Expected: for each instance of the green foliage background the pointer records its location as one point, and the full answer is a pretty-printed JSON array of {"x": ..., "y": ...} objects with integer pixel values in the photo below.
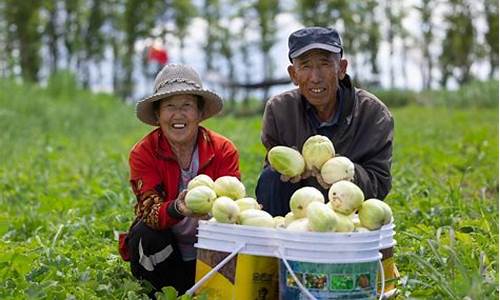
[{"x": 64, "y": 193}]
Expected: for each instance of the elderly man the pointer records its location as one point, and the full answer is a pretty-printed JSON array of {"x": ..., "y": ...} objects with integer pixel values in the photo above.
[{"x": 326, "y": 103}]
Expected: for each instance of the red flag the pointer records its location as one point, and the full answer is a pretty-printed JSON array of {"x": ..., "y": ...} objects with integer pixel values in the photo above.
[{"x": 158, "y": 54}]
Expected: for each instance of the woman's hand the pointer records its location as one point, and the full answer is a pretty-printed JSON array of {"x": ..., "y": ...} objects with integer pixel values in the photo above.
[{"x": 181, "y": 207}]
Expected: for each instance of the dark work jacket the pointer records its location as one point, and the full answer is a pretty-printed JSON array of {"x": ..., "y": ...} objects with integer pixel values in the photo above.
[{"x": 363, "y": 133}]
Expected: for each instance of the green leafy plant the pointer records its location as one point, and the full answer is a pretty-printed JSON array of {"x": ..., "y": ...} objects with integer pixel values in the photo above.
[{"x": 64, "y": 195}]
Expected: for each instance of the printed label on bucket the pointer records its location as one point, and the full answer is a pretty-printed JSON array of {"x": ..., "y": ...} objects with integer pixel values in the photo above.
[{"x": 330, "y": 281}]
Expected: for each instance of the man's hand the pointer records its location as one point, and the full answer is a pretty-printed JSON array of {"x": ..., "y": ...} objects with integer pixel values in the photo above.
[
  {"x": 317, "y": 174},
  {"x": 181, "y": 207},
  {"x": 297, "y": 178},
  {"x": 285, "y": 178},
  {"x": 306, "y": 174}
]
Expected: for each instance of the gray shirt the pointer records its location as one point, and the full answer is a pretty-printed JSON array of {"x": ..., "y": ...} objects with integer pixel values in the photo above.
[{"x": 185, "y": 230}]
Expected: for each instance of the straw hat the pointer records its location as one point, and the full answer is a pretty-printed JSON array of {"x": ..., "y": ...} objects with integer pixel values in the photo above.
[{"x": 176, "y": 79}]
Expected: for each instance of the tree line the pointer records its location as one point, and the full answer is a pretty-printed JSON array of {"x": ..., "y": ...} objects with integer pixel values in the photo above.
[{"x": 448, "y": 37}]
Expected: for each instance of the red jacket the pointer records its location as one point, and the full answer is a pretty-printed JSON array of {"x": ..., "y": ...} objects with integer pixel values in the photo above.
[{"x": 155, "y": 173}]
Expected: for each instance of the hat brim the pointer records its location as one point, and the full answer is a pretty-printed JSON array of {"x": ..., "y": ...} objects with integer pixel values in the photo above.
[
  {"x": 321, "y": 46},
  {"x": 145, "y": 112}
]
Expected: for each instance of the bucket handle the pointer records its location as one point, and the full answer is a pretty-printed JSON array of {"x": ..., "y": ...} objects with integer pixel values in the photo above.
[
  {"x": 207, "y": 276},
  {"x": 303, "y": 289},
  {"x": 382, "y": 279}
]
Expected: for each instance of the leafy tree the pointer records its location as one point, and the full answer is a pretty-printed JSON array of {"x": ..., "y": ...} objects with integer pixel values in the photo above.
[
  {"x": 314, "y": 12},
  {"x": 457, "y": 53},
  {"x": 245, "y": 43},
  {"x": 116, "y": 35},
  {"x": 390, "y": 16},
  {"x": 23, "y": 22},
  {"x": 137, "y": 21},
  {"x": 52, "y": 33},
  {"x": 211, "y": 14},
  {"x": 394, "y": 15},
  {"x": 361, "y": 35},
  {"x": 228, "y": 41},
  {"x": 81, "y": 32},
  {"x": 75, "y": 34},
  {"x": 72, "y": 33},
  {"x": 228, "y": 53},
  {"x": 426, "y": 23},
  {"x": 184, "y": 11},
  {"x": 6, "y": 61},
  {"x": 371, "y": 28},
  {"x": 94, "y": 38},
  {"x": 324, "y": 13},
  {"x": 347, "y": 21},
  {"x": 267, "y": 11},
  {"x": 406, "y": 38}
]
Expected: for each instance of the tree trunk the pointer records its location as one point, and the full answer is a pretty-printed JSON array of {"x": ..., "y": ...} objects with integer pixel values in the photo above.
[
  {"x": 267, "y": 64},
  {"x": 404, "y": 56},
  {"x": 232, "y": 90},
  {"x": 428, "y": 69},
  {"x": 247, "y": 70},
  {"x": 52, "y": 39},
  {"x": 128, "y": 64},
  {"x": 29, "y": 43}
]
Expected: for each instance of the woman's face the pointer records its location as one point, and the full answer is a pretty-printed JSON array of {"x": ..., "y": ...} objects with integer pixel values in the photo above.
[{"x": 179, "y": 117}]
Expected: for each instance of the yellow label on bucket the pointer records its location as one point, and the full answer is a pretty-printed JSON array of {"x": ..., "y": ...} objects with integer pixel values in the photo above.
[
  {"x": 257, "y": 277},
  {"x": 245, "y": 277},
  {"x": 391, "y": 274},
  {"x": 217, "y": 287}
]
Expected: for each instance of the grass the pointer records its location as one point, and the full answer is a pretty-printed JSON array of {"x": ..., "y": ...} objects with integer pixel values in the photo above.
[
  {"x": 445, "y": 199},
  {"x": 64, "y": 194}
]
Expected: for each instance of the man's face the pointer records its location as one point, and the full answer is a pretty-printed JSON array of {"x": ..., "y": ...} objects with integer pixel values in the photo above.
[
  {"x": 316, "y": 73},
  {"x": 179, "y": 117}
]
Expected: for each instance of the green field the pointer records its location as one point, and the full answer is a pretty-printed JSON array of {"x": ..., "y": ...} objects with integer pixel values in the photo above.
[{"x": 64, "y": 195}]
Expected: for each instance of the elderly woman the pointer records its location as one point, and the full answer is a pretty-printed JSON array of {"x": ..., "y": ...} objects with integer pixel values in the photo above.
[{"x": 161, "y": 241}]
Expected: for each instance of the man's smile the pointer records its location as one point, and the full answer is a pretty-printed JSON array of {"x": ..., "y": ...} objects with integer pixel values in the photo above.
[{"x": 317, "y": 90}]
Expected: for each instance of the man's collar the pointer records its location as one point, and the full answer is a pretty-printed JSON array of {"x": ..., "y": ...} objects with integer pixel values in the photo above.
[{"x": 334, "y": 118}]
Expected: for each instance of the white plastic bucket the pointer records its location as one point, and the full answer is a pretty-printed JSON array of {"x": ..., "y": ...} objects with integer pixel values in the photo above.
[
  {"x": 331, "y": 257},
  {"x": 387, "y": 234},
  {"x": 227, "y": 237},
  {"x": 320, "y": 247},
  {"x": 329, "y": 265}
]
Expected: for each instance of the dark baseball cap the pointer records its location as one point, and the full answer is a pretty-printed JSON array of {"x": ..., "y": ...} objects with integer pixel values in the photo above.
[{"x": 309, "y": 38}]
